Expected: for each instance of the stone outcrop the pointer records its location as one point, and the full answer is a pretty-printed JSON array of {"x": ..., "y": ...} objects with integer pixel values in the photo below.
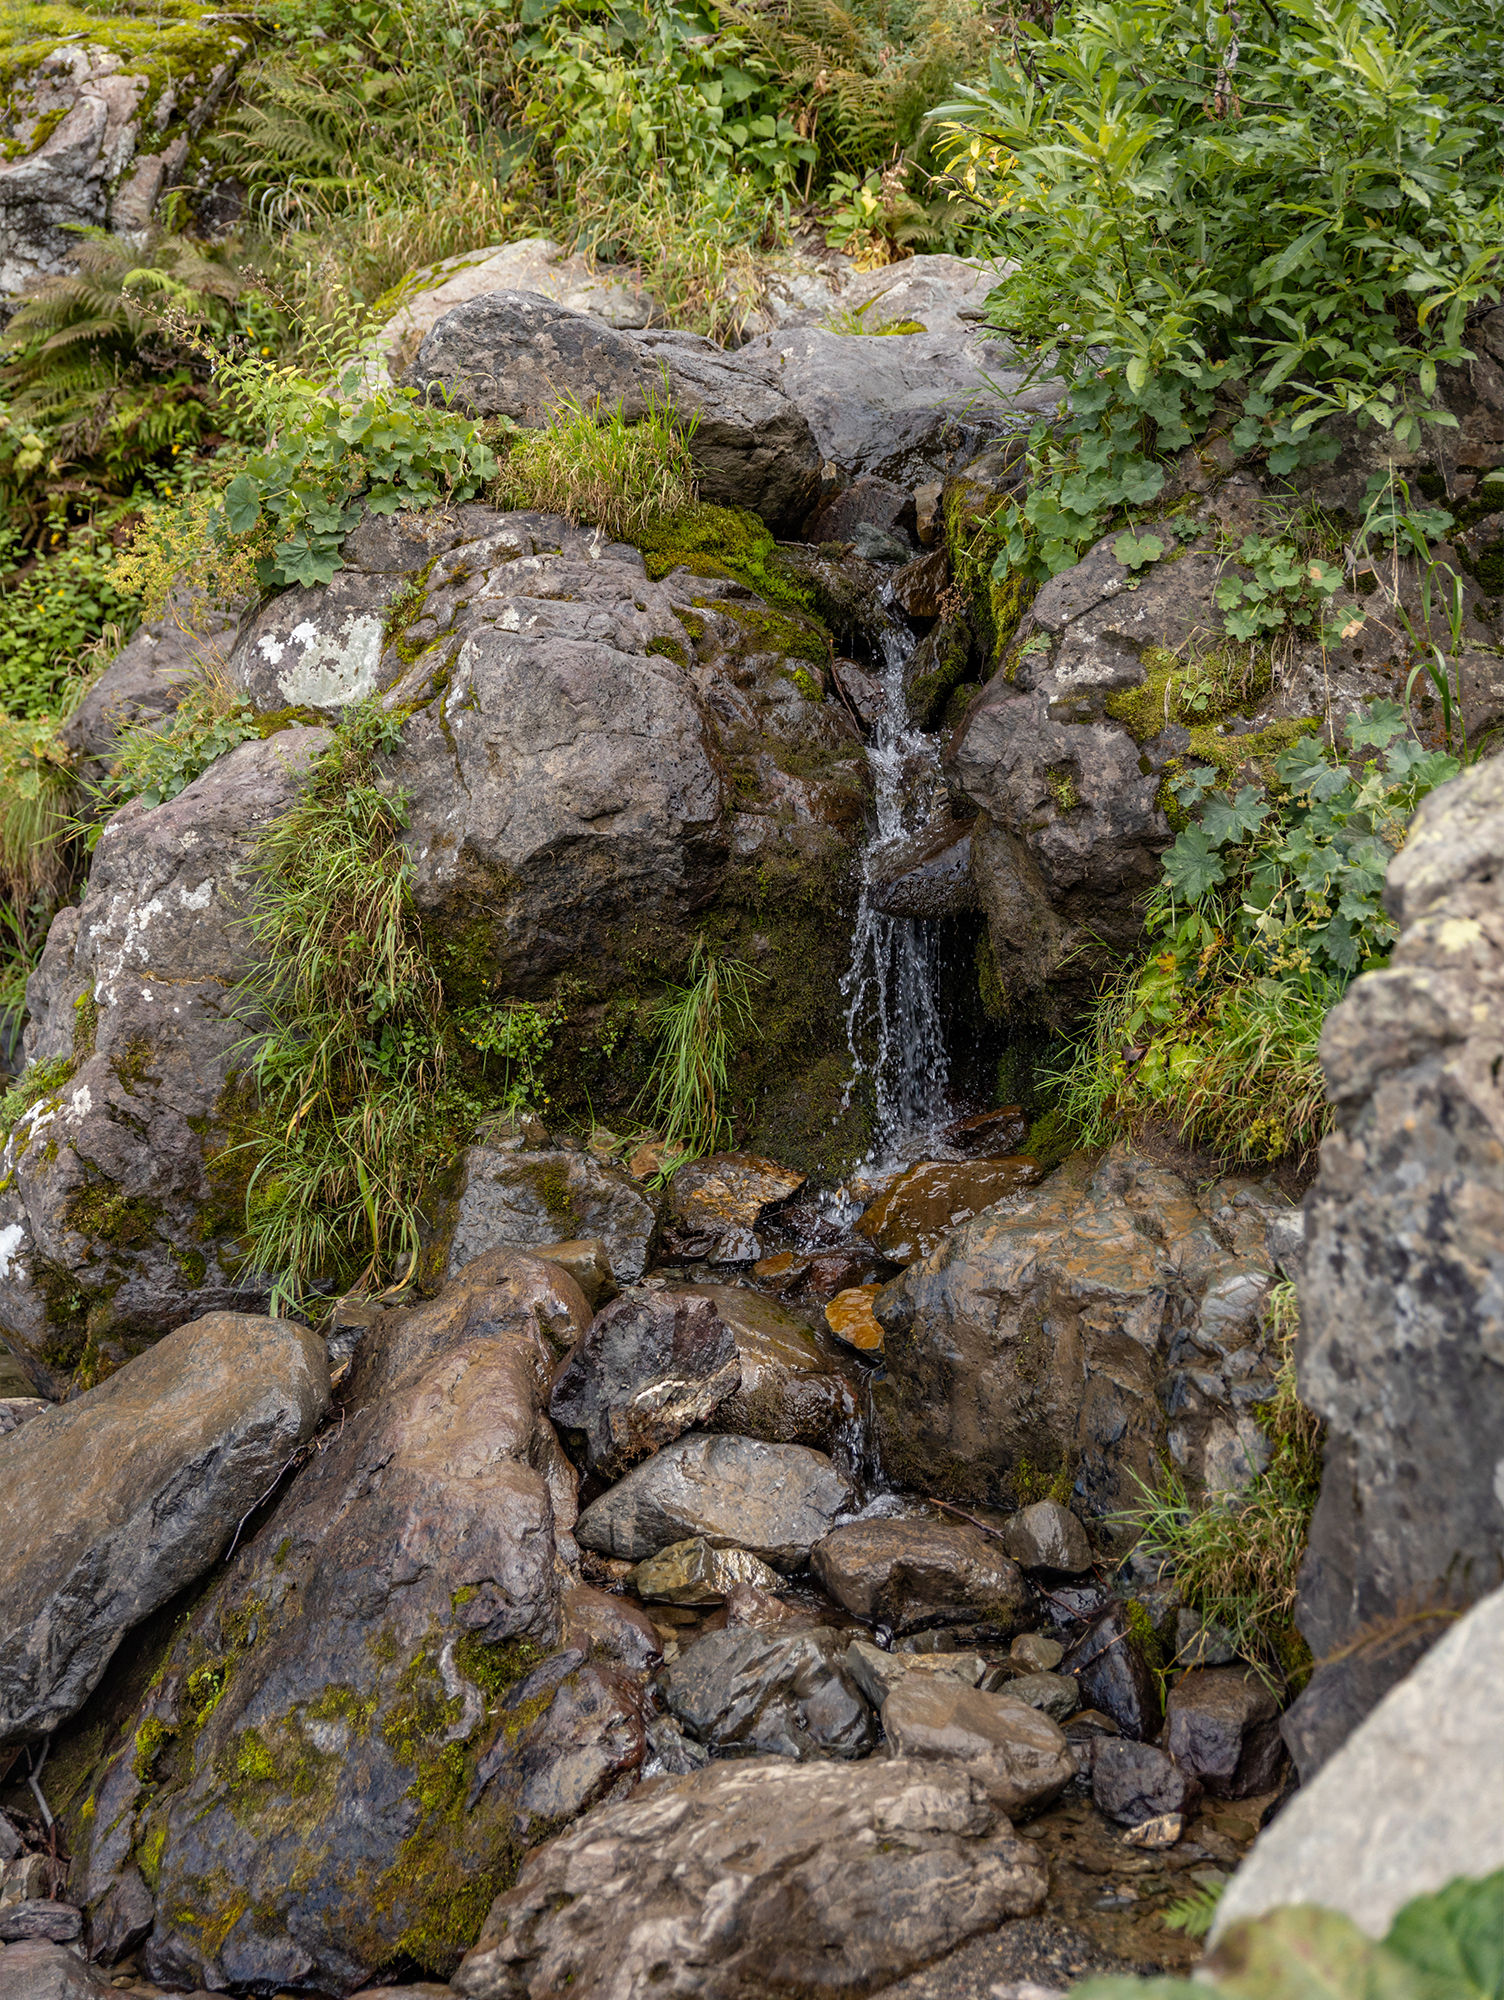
[
  {"x": 116, "y": 1501},
  {"x": 794, "y": 1389},
  {"x": 113, "y": 1225},
  {"x": 1083, "y": 1328},
  {"x": 149, "y": 676},
  {"x": 392, "y": 1634},
  {"x": 519, "y": 355},
  {"x": 718, "y": 1203},
  {"x": 775, "y": 1500},
  {"x": 1401, "y": 1347},
  {"x": 1408, "y": 1803},
  {"x": 916, "y": 1214},
  {"x": 794, "y": 1878},
  {"x": 95, "y": 133}
]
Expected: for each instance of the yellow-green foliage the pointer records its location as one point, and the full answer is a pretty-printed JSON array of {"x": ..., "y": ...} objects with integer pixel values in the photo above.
[
  {"x": 1196, "y": 691},
  {"x": 722, "y": 541},
  {"x": 176, "y": 41},
  {"x": 591, "y": 465}
]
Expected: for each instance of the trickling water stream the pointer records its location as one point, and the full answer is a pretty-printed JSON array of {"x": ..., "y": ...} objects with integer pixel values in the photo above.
[{"x": 890, "y": 985}]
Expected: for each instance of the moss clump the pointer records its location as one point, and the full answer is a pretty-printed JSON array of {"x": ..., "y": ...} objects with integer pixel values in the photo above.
[
  {"x": 1050, "y": 1140},
  {"x": 150, "y": 1849},
  {"x": 191, "y": 1263},
  {"x": 1259, "y": 747},
  {"x": 948, "y": 651},
  {"x": 1197, "y": 693},
  {"x": 165, "y": 41},
  {"x": 85, "y": 1026},
  {"x": 1060, "y": 780},
  {"x": 1029, "y": 1483},
  {"x": 204, "y": 1689},
  {"x": 495, "y": 1668},
  {"x": 102, "y": 1211},
  {"x": 974, "y": 544},
  {"x": 989, "y": 980},
  {"x": 669, "y": 649},
  {"x": 765, "y": 630},
  {"x": 723, "y": 541},
  {"x": 807, "y": 685},
  {"x": 150, "y": 1738}
]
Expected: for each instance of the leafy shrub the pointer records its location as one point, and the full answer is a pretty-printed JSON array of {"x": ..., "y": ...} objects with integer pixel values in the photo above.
[
  {"x": 1270, "y": 902},
  {"x": 591, "y": 465},
  {"x": 51, "y": 614},
  {"x": 1439, "y": 1947},
  {"x": 155, "y": 761},
  {"x": 1298, "y": 210}
]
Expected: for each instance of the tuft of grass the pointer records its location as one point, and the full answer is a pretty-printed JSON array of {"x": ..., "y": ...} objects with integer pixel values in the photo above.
[
  {"x": 686, "y": 1097},
  {"x": 157, "y": 760},
  {"x": 591, "y": 465},
  {"x": 1237, "y": 1071},
  {"x": 1236, "y": 1560}
]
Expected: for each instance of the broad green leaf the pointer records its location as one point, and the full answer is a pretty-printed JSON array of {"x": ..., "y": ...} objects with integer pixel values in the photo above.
[
  {"x": 1193, "y": 866},
  {"x": 1377, "y": 725},
  {"x": 1233, "y": 820},
  {"x": 1307, "y": 1953},
  {"x": 1456, "y": 1938},
  {"x": 242, "y": 504},
  {"x": 1136, "y": 551}
]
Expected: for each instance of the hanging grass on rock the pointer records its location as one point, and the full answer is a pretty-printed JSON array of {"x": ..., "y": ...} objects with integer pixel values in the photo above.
[
  {"x": 697, "y": 1024},
  {"x": 591, "y": 465}
]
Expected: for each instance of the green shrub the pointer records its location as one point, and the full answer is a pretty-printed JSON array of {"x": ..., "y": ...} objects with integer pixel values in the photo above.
[
  {"x": 52, "y": 616},
  {"x": 1298, "y": 210},
  {"x": 1270, "y": 902},
  {"x": 155, "y": 761}
]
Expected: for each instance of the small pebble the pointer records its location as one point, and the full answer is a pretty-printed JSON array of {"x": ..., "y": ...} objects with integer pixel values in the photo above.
[{"x": 1163, "y": 1831}]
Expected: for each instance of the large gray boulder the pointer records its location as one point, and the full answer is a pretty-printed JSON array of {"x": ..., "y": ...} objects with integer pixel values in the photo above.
[
  {"x": 795, "y": 1387},
  {"x": 114, "y": 1224},
  {"x": 356, "y": 1731},
  {"x": 116, "y": 1501},
  {"x": 518, "y": 354},
  {"x": 759, "y": 1875},
  {"x": 775, "y": 1500},
  {"x": 1401, "y": 1347},
  {"x": 1085, "y": 1328},
  {"x": 1409, "y": 1802},
  {"x": 505, "y": 1198}
]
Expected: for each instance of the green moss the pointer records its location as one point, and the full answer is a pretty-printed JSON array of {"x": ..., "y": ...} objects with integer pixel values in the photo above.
[
  {"x": 282, "y": 1552},
  {"x": 1060, "y": 781},
  {"x": 723, "y": 541},
  {"x": 974, "y": 543},
  {"x": 176, "y": 41},
  {"x": 1198, "y": 692},
  {"x": 807, "y": 685},
  {"x": 989, "y": 981},
  {"x": 191, "y": 1263},
  {"x": 1050, "y": 1140},
  {"x": 1028, "y": 1483},
  {"x": 272, "y": 721},
  {"x": 149, "y": 1851},
  {"x": 337, "y": 1703},
  {"x": 669, "y": 649},
  {"x": 1142, "y": 1630},
  {"x": 929, "y": 691},
  {"x": 204, "y": 1689},
  {"x": 150, "y": 1738},
  {"x": 102, "y": 1211},
  {"x": 1259, "y": 747},
  {"x": 85, "y": 1026}
]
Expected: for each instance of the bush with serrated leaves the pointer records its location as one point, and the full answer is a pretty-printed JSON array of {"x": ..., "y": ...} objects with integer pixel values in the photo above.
[
  {"x": 1294, "y": 210},
  {"x": 1269, "y": 904}
]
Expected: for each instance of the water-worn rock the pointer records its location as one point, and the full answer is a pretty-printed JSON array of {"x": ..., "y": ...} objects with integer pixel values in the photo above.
[
  {"x": 719, "y": 1201},
  {"x": 1402, "y": 1317},
  {"x": 650, "y": 1367},
  {"x": 853, "y": 1322},
  {"x": 18, "y": 1410},
  {"x": 877, "y": 1673},
  {"x": 1055, "y": 1695},
  {"x": 585, "y": 1259},
  {"x": 390, "y": 1635},
  {"x": 936, "y": 1196},
  {"x": 1134, "y": 1782},
  {"x": 928, "y": 876},
  {"x": 794, "y": 1878},
  {"x": 596, "y": 1622},
  {"x": 119, "y": 1499},
  {"x": 112, "y": 1228},
  {"x": 41, "y": 1971},
  {"x": 775, "y": 1499},
  {"x": 1224, "y": 1730},
  {"x": 1408, "y": 1803},
  {"x": 1108, "y": 1665},
  {"x": 1018, "y": 1754},
  {"x": 693, "y": 1572},
  {"x": 1081, "y": 1327},
  {"x": 911, "y": 1574},
  {"x": 1047, "y": 1536},
  {"x": 529, "y": 1200},
  {"x": 516, "y": 354},
  {"x": 756, "y": 1693},
  {"x": 61, "y": 1923},
  {"x": 793, "y": 1389}
]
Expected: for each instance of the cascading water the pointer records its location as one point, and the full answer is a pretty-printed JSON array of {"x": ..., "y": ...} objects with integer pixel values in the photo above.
[{"x": 893, "y": 1022}]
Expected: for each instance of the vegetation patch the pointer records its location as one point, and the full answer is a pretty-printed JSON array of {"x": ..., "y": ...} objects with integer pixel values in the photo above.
[{"x": 723, "y": 541}]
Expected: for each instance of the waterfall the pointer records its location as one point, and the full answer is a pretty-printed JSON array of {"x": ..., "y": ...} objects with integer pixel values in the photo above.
[{"x": 890, "y": 984}]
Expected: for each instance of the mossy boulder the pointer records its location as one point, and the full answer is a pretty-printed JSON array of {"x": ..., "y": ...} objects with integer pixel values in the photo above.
[{"x": 355, "y": 1736}]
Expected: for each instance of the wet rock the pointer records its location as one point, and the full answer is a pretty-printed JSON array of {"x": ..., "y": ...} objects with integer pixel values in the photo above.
[
  {"x": 864, "y": 694},
  {"x": 1198, "y": 1644},
  {"x": 1048, "y": 1537},
  {"x": 693, "y": 1572},
  {"x": 994, "y": 1133},
  {"x": 107, "y": 1203},
  {"x": 877, "y": 1673},
  {"x": 1018, "y": 1755},
  {"x": 931, "y": 1199},
  {"x": 586, "y": 1261},
  {"x": 757, "y": 1693},
  {"x": 793, "y": 1389},
  {"x": 775, "y": 1499},
  {"x": 820, "y": 1876},
  {"x": 1108, "y": 1665},
  {"x": 1400, "y": 1315},
  {"x": 1409, "y": 1801},
  {"x": 1134, "y": 1782},
  {"x": 928, "y": 876},
  {"x": 127, "y": 1494},
  {"x": 670, "y": 1752},
  {"x": 939, "y": 668},
  {"x": 718, "y": 1202},
  {"x": 530, "y": 1201},
  {"x": 868, "y": 502},
  {"x": 1342, "y": 1691},
  {"x": 597, "y": 1623},
  {"x": 515, "y": 354},
  {"x": 1037, "y": 1652},
  {"x": 1156, "y": 1833},
  {"x": 391, "y": 1634},
  {"x": 650, "y": 1367},
  {"x": 60, "y": 1923},
  {"x": 122, "y": 1919},
  {"x": 1052, "y": 1331},
  {"x": 1055, "y": 1695},
  {"x": 921, "y": 586},
  {"x": 909, "y": 1574},
  {"x": 1224, "y": 1730},
  {"x": 39, "y": 1971},
  {"x": 851, "y": 1319}
]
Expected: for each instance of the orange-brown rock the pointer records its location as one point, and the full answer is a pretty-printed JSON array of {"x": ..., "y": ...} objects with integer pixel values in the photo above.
[
  {"x": 851, "y": 1319},
  {"x": 937, "y": 1196}
]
